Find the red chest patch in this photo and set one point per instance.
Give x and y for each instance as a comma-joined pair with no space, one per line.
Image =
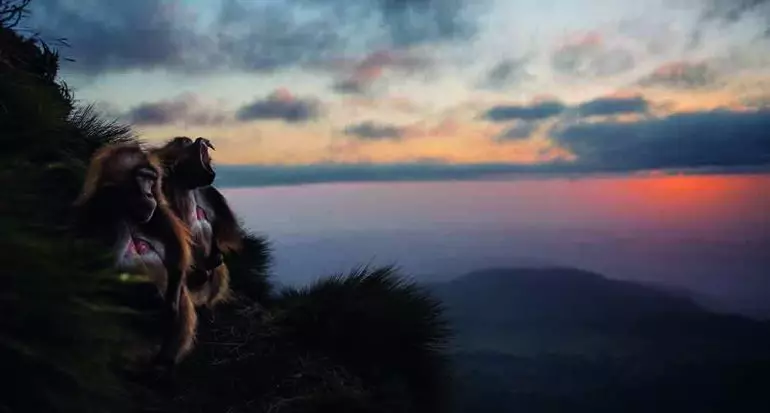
138,246
142,246
200,214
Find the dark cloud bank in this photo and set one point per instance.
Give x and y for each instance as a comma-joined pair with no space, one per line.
549,109
703,139
253,36
705,142
119,35
529,117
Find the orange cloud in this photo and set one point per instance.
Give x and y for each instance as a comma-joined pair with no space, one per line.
446,127
591,38
545,97
625,94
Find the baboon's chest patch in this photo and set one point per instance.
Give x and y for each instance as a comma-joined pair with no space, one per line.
200,214
138,254
200,218
140,248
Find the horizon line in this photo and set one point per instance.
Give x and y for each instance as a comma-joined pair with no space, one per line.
260,175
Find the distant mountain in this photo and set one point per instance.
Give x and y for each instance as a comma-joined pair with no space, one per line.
562,339
527,311
514,296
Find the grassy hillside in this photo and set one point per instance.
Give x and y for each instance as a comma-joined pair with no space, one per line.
69,321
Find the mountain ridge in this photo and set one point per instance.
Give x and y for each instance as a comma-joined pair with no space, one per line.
556,293
522,343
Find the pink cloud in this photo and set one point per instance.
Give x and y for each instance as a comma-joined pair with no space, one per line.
681,74
361,74
592,38
281,95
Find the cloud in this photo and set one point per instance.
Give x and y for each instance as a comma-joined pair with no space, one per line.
280,105
735,10
251,36
658,36
362,74
681,75
157,113
537,111
609,106
410,22
701,139
268,36
182,109
520,131
507,72
721,17
370,131
588,55
350,86
612,62
121,35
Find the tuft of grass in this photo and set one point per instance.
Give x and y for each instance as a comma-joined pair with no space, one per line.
369,341
381,326
250,270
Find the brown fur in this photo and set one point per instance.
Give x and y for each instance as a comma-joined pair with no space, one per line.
216,290
106,169
184,339
229,235
111,166
226,229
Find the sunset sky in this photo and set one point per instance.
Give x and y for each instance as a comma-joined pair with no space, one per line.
601,84
328,91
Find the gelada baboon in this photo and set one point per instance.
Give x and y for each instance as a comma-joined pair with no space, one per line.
188,176
122,205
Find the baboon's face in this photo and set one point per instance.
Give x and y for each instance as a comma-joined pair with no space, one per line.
142,200
132,185
191,162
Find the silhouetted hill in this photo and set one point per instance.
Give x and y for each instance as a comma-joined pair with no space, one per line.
563,309
556,296
561,339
